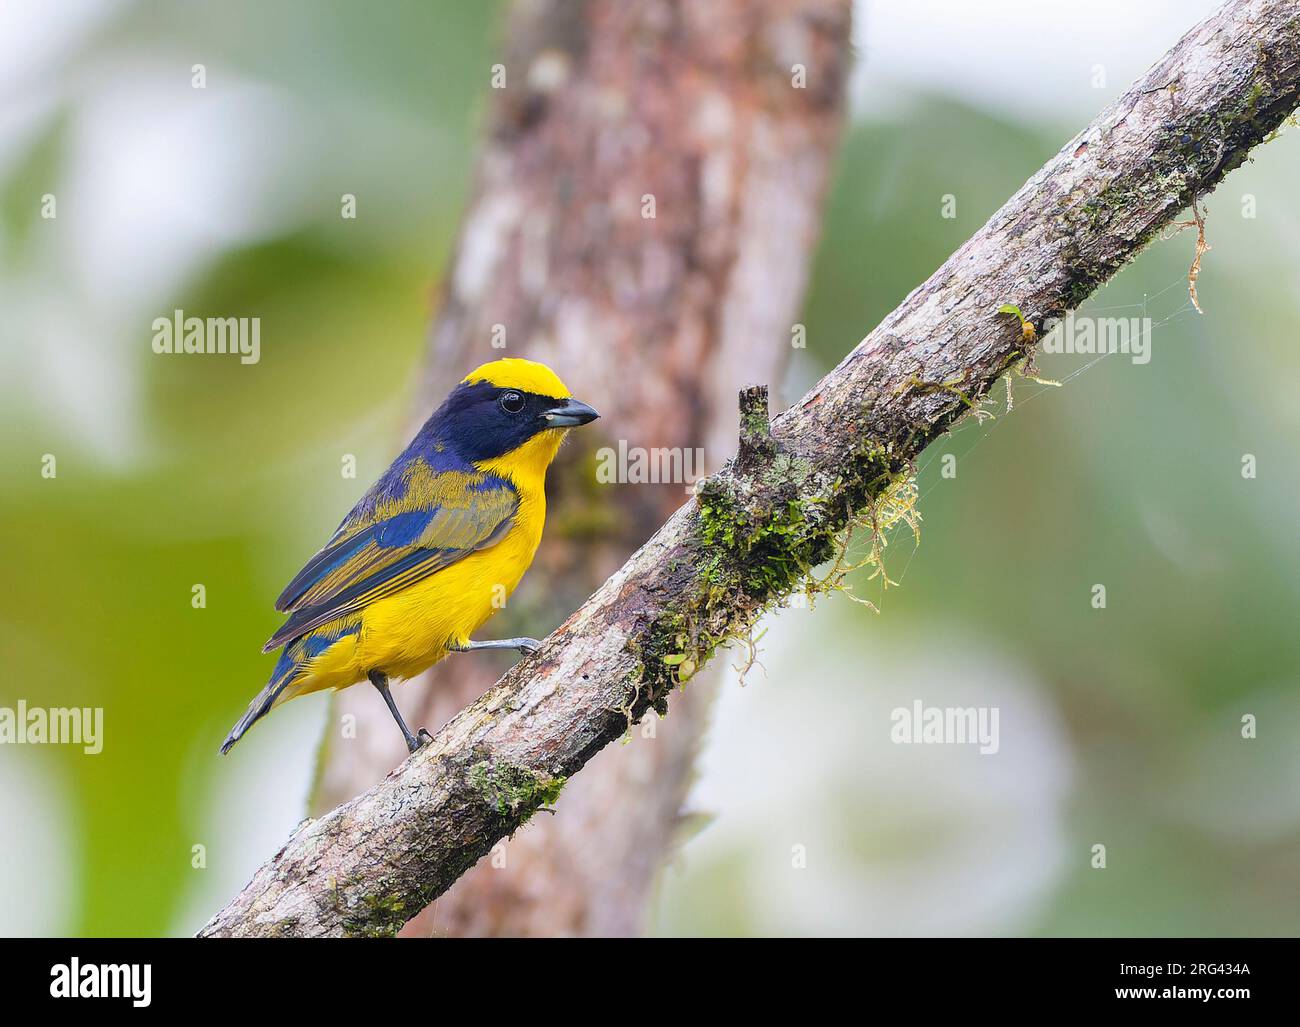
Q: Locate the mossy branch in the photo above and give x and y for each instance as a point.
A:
(755, 428)
(758, 527)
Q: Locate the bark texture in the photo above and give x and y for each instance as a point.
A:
(759, 524)
(611, 112)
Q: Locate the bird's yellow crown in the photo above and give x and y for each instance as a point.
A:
(517, 373)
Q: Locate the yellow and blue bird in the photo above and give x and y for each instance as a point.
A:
(431, 551)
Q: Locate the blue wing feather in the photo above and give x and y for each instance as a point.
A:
(416, 520)
(399, 530)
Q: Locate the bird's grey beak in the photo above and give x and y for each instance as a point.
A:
(568, 414)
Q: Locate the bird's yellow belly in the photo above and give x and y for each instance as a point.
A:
(409, 632)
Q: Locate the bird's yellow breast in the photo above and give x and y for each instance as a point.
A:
(405, 634)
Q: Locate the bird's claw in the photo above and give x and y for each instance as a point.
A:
(422, 738)
(528, 646)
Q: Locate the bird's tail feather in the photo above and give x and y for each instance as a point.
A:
(262, 704)
(295, 660)
(258, 708)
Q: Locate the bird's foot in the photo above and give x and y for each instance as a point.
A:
(419, 740)
(525, 645)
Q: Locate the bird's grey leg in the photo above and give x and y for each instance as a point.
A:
(523, 645)
(380, 680)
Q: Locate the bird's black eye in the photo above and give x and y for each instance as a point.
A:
(511, 402)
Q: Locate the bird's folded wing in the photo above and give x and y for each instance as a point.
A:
(386, 547)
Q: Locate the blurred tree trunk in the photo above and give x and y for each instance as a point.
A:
(643, 220)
